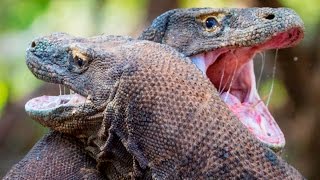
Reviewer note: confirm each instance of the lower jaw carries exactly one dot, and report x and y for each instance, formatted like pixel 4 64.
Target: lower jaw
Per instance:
pixel 260 124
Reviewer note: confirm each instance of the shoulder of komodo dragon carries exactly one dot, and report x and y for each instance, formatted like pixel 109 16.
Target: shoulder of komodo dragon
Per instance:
pixel 56 156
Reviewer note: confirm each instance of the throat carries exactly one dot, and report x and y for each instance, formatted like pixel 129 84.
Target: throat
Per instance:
pixel 232 74
pixel 247 105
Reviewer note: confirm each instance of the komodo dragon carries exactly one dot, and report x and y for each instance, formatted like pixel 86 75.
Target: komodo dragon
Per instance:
pixel 283 32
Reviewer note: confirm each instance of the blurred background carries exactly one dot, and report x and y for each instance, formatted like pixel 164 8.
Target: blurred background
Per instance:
pixel 295 102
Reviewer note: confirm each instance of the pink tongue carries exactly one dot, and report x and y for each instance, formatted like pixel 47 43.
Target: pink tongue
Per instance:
pixel 256 117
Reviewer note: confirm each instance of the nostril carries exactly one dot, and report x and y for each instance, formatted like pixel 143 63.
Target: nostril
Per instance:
pixel 270 16
pixel 33 44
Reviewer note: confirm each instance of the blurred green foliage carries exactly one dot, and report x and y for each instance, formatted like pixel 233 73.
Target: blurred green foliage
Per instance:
pixel 308 10
pixel 279 96
pixel 15 16
pixel 19 14
pixel 4 91
pixel 209 3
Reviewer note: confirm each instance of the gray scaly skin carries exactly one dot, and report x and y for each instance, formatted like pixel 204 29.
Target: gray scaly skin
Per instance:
pixel 56 156
pixel 170 29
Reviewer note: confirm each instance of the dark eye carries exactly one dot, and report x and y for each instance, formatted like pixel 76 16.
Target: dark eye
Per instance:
pixel 79 61
pixel 211 22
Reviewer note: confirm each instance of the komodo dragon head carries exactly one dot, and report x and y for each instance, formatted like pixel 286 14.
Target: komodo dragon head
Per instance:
pixel 62 59
pixel 222 44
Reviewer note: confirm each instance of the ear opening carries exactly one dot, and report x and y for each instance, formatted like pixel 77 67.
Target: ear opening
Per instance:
pixel 156 31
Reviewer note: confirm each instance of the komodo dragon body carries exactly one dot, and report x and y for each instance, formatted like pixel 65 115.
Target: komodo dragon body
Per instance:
pixel 197 138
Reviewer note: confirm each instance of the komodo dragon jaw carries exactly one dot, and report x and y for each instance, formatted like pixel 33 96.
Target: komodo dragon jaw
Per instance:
pixel 222 44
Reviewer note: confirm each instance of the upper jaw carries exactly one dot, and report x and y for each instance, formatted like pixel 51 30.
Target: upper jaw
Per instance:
pixel 45 68
pixel 37 62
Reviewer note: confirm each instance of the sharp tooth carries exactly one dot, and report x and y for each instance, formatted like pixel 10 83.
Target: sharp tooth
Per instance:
pixel 71 92
pixel 88 99
pixel 60 89
pixel 64 90
pixel 199 61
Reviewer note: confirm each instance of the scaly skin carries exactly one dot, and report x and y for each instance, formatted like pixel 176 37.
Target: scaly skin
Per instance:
pixel 56 156
pixel 170 29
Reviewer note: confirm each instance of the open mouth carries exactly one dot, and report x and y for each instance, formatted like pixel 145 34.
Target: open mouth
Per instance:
pixel 47 103
pixel 231 72
pixel 62 111
pixel 44 105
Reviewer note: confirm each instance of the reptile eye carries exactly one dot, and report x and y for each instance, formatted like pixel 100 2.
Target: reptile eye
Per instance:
pixel 80 62
pixel 211 23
